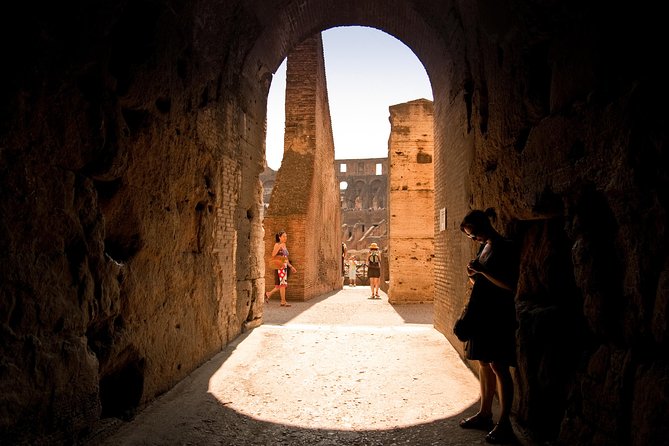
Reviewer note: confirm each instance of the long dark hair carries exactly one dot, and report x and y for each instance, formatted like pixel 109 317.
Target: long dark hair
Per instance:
pixel 278 235
pixel 478 221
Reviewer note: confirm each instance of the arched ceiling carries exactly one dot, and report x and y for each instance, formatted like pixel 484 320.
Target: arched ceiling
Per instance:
pixel 285 24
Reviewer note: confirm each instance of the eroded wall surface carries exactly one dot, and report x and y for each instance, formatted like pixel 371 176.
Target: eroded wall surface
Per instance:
pixel 305 196
pixel 130 207
pixel 411 202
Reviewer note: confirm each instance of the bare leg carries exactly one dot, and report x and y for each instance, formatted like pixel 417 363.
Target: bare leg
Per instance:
pixel 268 294
pixel 282 292
pixel 488 383
pixel 503 432
pixel 503 375
pixel 482 420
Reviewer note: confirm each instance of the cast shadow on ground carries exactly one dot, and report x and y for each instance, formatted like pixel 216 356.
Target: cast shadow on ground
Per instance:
pixel 189 414
pixel 192 414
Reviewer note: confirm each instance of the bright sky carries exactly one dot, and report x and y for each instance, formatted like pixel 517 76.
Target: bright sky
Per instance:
pixel 367 71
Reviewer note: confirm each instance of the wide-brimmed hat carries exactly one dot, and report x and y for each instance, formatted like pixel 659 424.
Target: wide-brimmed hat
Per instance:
pixel 373 246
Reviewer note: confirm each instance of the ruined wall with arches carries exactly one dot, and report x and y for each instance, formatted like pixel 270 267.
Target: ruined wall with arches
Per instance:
pixel 366 183
pixel 363 200
pixel 132 248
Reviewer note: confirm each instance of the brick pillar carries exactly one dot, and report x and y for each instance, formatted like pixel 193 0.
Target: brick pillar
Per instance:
pixel 411 202
pixel 305 196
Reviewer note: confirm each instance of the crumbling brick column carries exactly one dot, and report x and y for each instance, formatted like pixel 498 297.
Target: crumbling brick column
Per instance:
pixel 411 202
pixel 305 197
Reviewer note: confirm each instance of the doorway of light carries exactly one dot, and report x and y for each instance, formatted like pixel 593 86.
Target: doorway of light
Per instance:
pixel 367 71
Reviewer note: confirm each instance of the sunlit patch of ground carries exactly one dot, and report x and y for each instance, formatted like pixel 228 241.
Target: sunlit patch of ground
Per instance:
pixel 344 362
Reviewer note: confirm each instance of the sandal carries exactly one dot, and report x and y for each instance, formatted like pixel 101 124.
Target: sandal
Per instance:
pixel 501 433
pixel 285 304
pixel 478 421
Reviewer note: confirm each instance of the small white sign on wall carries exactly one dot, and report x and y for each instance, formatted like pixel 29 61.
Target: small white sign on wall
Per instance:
pixel 442 219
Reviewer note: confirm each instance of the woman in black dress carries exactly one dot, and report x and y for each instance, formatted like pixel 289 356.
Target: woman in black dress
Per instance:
pixel 374 270
pixel 494 274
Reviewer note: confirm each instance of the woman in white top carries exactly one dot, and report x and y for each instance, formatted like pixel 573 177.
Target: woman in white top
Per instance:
pixel 352 271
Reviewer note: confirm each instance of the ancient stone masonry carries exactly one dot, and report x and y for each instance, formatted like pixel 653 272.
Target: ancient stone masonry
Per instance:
pixel 131 238
pixel 130 218
pixel 267 178
pixel 364 198
pixel 411 202
pixel 305 201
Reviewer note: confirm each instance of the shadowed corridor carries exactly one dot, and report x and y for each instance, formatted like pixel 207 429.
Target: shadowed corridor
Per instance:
pixel 132 237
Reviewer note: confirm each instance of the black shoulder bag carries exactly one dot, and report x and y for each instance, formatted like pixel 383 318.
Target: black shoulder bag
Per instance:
pixel 463 327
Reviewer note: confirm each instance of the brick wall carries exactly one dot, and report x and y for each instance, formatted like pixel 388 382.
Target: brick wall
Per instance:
pixel 411 202
pixel 305 196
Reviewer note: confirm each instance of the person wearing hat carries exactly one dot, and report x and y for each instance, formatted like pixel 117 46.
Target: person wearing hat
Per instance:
pixel 374 270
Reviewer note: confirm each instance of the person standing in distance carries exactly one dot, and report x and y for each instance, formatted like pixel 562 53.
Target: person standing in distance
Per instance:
pixel 344 251
pixel 352 271
pixel 281 274
pixel 374 270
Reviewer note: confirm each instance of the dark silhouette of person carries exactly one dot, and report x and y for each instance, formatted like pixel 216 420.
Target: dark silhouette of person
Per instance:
pixel 494 275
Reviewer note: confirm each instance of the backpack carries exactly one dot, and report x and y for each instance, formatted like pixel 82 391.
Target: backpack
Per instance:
pixel 374 260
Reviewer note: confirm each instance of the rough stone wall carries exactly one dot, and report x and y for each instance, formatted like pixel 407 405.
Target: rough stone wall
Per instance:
pixel 559 110
pixel 267 178
pixel 305 197
pixel 129 201
pixel 411 202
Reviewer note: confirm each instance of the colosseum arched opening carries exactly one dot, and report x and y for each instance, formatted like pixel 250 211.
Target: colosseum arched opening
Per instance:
pixel 132 247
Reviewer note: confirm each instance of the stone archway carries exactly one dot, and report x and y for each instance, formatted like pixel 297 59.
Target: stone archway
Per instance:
pixel 440 56
pixel 131 145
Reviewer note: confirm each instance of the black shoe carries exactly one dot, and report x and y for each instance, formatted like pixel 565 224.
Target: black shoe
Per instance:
pixel 501 433
pixel 479 422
